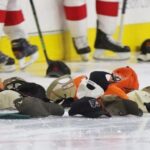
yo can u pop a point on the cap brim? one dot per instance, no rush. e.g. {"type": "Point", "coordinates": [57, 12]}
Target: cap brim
{"type": "Point", "coordinates": [132, 108]}
{"type": "Point", "coordinates": [54, 74]}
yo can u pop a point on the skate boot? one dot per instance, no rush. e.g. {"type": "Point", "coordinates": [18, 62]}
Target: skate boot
{"type": "Point", "coordinates": [81, 46]}
{"type": "Point", "coordinates": [107, 49]}
{"type": "Point", "coordinates": [7, 64]}
{"type": "Point", "coordinates": [145, 51]}
{"type": "Point", "coordinates": [22, 50]}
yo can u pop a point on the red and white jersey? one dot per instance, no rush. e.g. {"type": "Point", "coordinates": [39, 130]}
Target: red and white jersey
{"type": "Point", "coordinates": [11, 19]}
{"type": "Point", "coordinates": [76, 16]}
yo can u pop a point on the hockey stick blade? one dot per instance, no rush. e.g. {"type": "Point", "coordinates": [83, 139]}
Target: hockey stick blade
{"type": "Point", "coordinates": [57, 69]}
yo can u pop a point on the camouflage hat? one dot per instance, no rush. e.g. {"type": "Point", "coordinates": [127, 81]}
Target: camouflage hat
{"type": "Point", "coordinates": [35, 107]}
{"type": "Point", "coordinates": [61, 88]}
{"type": "Point", "coordinates": [117, 106]}
{"type": "Point", "coordinates": [6, 99]}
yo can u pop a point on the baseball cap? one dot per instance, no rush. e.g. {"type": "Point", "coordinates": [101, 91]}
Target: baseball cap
{"type": "Point", "coordinates": [33, 90]}
{"type": "Point", "coordinates": [118, 106]}
{"type": "Point", "coordinates": [87, 107]}
{"type": "Point", "coordinates": [140, 97]}
{"type": "Point", "coordinates": [61, 88]}
{"type": "Point", "coordinates": [7, 97]}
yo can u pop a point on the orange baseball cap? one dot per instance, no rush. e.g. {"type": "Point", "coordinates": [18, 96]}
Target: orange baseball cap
{"type": "Point", "coordinates": [128, 80]}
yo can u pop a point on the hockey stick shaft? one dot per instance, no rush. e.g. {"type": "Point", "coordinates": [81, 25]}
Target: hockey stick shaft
{"type": "Point", "coordinates": [123, 11]}
{"type": "Point", "coordinates": [39, 30]}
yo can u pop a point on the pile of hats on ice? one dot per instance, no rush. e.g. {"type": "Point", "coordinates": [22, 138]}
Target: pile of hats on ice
{"type": "Point", "coordinates": [28, 98]}
{"type": "Point", "coordinates": [100, 94]}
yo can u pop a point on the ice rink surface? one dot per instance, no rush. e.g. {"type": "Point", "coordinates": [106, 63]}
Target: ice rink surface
{"type": "Point", "coordinates": [77, 133]}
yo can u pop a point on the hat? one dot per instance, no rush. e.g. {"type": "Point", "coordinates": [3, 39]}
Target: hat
{"type": "Point", "coordinates": [33, 90]}
{"type": "Point", "coordinates": [14, 116]}
{"type": "Point", "coordinates": [94, 86]}
{"type": "Point", "coordinates": [35, 107]}
{"type": "Point", "coordinates": [88, 88]}
{"type": "Point", "coordinates": [6, 99]}
{"type": "Point", "coordinates": [115, 90]}
{"type": "Point", "coordinates": [77, 80]}
{"type": "Point", "coordinates": [1, 85]}
{"type": "Point", "coordinates": [86, 106]}
{"type": "Point", "coordinates": [100, 78]}
{"type": "Point", "coordinates": [140, 97]}
{"type": "Point", "coordinates": [127, 79]}
{"type": "Point", "coordinates": [117, 106]}
{"type": "Point", "coordinates": [146, 89]}
{"type": "Point", "coordinates": [61, 88]}
{"type": "Point", "coordinates": [13, 83]}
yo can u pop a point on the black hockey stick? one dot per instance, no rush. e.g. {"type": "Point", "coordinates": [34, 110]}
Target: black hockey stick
{"type": "Point", "coordinates": [55, 68]}
{"type": "Point", "coordinates": [123, 11]}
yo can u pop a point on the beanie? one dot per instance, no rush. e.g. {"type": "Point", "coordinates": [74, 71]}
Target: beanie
{"type": "Point", "coordinates": [35, 107]}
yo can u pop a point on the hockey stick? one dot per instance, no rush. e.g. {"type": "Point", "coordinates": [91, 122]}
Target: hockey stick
{"type": "Point", "coordinates": [123, 11]}
{"type": "Point", "coordinates": [55, 68]}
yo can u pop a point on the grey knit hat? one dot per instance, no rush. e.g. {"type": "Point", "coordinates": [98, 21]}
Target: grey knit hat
{"type": "Point", "coordinates": [35, 107]}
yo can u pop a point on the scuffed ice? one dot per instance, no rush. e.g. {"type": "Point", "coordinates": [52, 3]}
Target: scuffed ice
{"type": "Point", "coordinates": [78, 133]}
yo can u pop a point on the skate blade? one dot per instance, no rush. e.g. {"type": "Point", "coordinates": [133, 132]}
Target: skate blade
{"type": "Point", "coordinates": [144, 58]}
{"type": "Point", "coordinates": [109, 55]}
{"type": "Point", "coordinates": [7, 69]}
{"type": "Point", "coordinates": [84, 57]}
{"type": "Point", "coordinates": [23, 63]}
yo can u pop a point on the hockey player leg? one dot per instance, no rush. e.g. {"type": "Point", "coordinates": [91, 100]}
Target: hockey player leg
{"type": "Point", "coordinates": [76, 17]}
{"type": "Point", "coordinates": [22, 49]}
{"type": "Point", "coordinates": [82, 48]}
{"type": "Point", "coordinates": [7, 64]}
{"type": "Point", "coordinates": [105, 47]}
{"type": "Point", "coordinates": [14, 29]}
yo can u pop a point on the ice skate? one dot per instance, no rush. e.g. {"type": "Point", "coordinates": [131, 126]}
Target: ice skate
{"type": "Point", "coordinates": [145, 51]}
{"type": "Point", "coordinates": [82, 48]}
{"type": "Point", "coordinates": [22, 50]}
{"type": "Point", "coordinates": [7, 64]}
{"type": "Point", "coordinates": [107, 49]}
